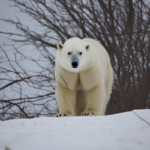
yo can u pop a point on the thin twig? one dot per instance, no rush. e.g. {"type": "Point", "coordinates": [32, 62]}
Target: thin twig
{"type": "Point", "coordinates": [141, 118]}
{"type": "Point", "coordinates": [64, 81]}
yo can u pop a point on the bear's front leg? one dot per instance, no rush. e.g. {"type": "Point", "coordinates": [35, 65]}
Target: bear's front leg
{"type": "Point", "coordinates": [66, 101]}
{"type": "Point", "coordinates": [95, 99]}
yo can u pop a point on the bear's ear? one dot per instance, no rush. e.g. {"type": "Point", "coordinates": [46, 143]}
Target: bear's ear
{"type": "Point", "coordinates": [87, 47]}
{"type": "Point", "coordinates": [60, 46]}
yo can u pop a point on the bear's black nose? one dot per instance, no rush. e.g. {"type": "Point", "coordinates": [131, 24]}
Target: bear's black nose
{"type": "Point", "coordinates": [75, 64]}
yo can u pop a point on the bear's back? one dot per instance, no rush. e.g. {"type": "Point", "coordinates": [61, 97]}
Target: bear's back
{"type": "Point", "coordinates": [101, 53]}
{"type": "Point", "coordinates": [98, 46]}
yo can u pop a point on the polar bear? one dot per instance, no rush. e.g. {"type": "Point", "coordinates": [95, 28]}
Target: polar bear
{"type": "Point", "coordinates": [84, 78]}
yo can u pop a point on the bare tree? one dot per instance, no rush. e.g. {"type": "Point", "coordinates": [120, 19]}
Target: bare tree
{"type": "Point", "coordinates": [121, 26]}
{"type": "Point", "coordinates": [15, 78]}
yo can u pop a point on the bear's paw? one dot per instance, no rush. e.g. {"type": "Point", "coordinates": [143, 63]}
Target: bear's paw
{"type": "Point", "coordinates": [63, 115]}
{"type": "Point", "coordinates": [89, 113]}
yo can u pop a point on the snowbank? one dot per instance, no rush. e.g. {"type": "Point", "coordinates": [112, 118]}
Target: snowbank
{"type": "Point", "coordinates": [124, 131]}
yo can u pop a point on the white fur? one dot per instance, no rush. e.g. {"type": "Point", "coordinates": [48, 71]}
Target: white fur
{"type": "Point", "coordinates": [85, 89]}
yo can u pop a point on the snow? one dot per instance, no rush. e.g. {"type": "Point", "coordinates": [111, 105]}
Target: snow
{"type": "Point", "coordinates": [124, 131]}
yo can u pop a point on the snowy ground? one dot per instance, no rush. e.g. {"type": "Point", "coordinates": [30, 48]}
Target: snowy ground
{"type": "Point", "coordinates": [125, 131]}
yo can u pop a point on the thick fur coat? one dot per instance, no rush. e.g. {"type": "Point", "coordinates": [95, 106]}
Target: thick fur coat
{"type": "Point", "coordinates": [84, 78]}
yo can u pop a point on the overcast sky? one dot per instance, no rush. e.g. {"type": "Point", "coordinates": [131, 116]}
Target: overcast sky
{"type": "Point", "coordinates": [6, 12]}
{"type": "Point", "coordinates": [9, 12]}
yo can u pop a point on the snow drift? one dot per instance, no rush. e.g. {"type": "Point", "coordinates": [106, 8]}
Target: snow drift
{"type": "Point", "coordinates": [124, 131]}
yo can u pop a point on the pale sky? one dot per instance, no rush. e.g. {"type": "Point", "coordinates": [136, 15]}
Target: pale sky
{"type": "Point", "coordinates": [7, 12]}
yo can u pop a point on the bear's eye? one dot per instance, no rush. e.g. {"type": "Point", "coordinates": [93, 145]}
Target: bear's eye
{"type": "Point", "coordinates": [69, 53]}
{"type": "Point", "coordinates": [80, 53]}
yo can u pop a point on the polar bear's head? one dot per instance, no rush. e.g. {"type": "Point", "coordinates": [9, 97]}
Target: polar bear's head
{"type": "Point", "coordinates": [73, 54]}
